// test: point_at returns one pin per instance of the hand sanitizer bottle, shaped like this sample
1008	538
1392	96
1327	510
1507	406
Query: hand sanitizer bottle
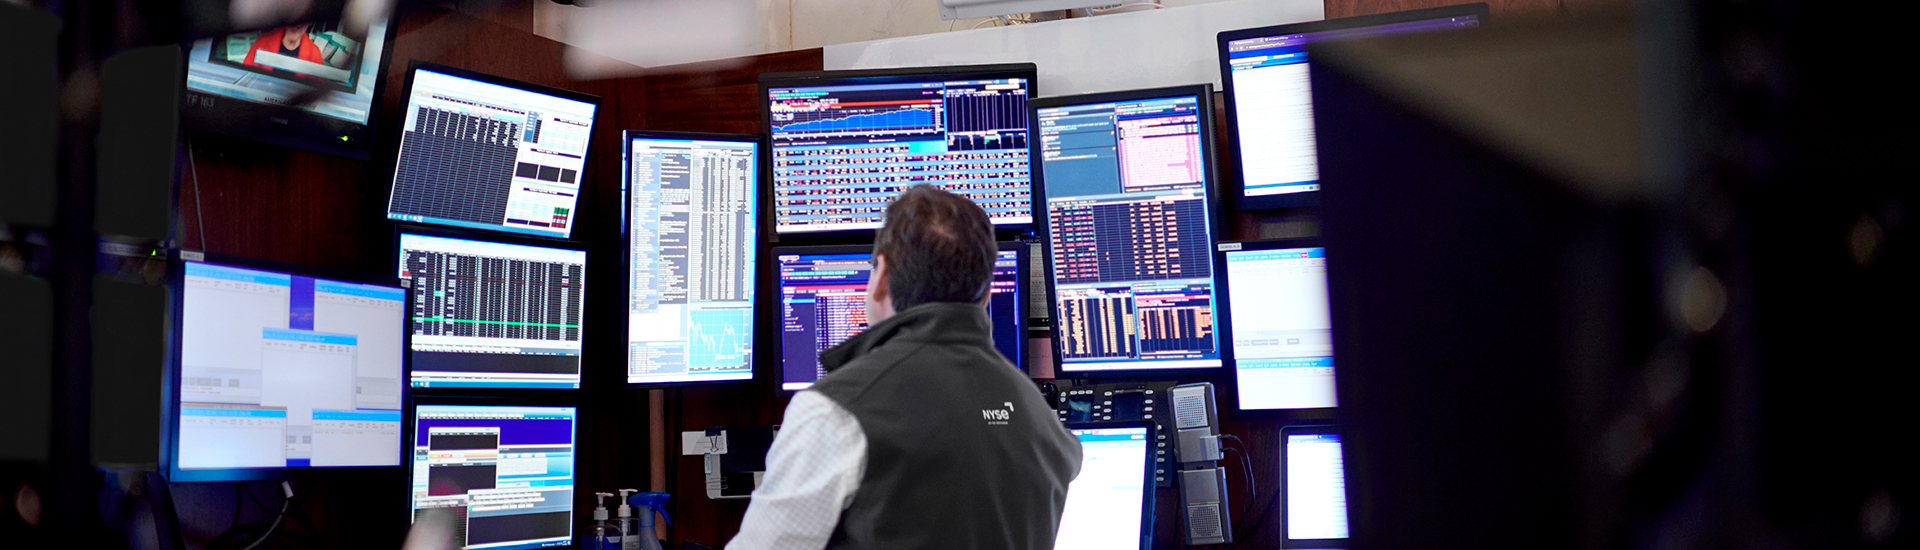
632	539
606	535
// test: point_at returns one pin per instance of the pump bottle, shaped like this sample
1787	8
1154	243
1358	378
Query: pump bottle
606	535
631	540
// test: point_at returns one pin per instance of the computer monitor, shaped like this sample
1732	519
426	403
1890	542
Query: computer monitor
692	238
485	152
246	84
846	142
1313	478
494	311
502	474
1270	100
1126	180
1279	323
279	366
823	302
1110	504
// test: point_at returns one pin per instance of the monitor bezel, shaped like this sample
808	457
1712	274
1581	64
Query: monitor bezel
1146	483
763	162
389	162
1021	276
235	125
1215	227
412	419
1310	429
401	229
1225	284
769	81
171	400
1305	198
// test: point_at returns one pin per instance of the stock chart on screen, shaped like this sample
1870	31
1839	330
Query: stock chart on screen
842	149
1126	185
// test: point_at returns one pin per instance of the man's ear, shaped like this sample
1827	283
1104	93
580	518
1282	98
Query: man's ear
878	288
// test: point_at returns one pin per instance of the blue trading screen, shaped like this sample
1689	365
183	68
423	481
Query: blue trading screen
1130	239
691	234
823	302
840	153
503	475
1273	103
280	370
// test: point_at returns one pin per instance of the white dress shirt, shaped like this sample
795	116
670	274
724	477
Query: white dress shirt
813	469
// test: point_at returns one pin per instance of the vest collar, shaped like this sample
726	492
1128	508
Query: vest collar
942	321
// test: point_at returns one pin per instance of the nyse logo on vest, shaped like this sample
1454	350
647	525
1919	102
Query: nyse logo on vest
998	417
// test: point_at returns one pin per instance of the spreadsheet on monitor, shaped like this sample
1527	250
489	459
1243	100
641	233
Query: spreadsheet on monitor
1130	234
1273	103
841	152
1316	505
280	370
692	229
491	314
1104	502
1282	328
482	155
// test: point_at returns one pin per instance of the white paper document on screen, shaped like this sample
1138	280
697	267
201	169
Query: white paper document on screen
1122	51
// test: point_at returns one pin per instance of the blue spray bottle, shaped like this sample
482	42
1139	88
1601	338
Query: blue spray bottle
642	536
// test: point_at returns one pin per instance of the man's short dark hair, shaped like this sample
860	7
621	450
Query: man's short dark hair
939	248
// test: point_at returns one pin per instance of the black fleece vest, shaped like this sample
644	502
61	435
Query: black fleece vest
962	451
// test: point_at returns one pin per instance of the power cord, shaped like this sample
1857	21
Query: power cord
284	488
1246	465
200	221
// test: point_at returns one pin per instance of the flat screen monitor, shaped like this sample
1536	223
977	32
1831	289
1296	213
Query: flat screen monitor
823	293
1110	504
1280	324
250	85
1314	481
692	239
500	475
282	366
484	152
494	311
1270	100
846	142
1127	182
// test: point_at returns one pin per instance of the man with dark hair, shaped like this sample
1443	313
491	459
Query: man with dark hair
921	435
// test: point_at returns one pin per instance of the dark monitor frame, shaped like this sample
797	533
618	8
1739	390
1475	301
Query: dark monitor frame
769	81
1146	482
763	227
1215	227
319	133
1306	429
492	237
1307	198
411	418
388	162
1020	273
170	401
1225	287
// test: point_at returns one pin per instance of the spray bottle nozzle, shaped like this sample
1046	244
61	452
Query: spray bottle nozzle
655	501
